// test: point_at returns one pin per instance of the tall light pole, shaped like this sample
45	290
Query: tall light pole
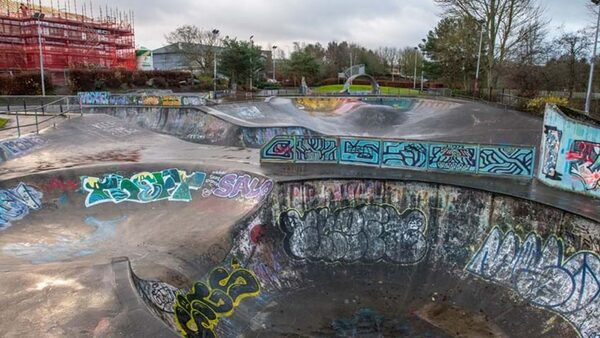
39	16
251	61
273	60
588	97
481	23
215	33
415	74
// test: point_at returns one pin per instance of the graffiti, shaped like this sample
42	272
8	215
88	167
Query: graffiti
279	149
248	112
146	187
192	101
22	146
60	185
64	248
114	128
506	161
364	234
171	101
94	98
404	155
316	149
16	203
244	186
551	151
159	294
359	151
198	312
261	136
454	157
584	158
151	100
119	100
541	275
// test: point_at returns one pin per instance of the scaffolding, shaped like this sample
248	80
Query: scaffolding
69	39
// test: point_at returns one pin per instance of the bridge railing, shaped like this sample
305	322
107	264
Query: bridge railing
479	159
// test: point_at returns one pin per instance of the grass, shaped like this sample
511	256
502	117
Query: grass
3	122
365	88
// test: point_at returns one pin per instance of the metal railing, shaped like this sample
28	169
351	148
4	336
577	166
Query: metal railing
42	109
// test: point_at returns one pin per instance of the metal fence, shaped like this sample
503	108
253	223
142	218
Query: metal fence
43	109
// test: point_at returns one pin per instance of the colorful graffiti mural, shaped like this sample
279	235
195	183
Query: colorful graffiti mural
570	153
146	187
469	158
16	203
316	149
396	154
119	100
60	185
359	151
368	233
151	100
192	101
280	149
21	146
506	161
171	101
94	98
198	312
453	157
542	275
244	186
584	163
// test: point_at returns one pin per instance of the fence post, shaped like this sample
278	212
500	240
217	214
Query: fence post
37	127
43	108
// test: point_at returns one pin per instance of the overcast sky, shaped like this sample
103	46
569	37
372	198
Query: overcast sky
281	22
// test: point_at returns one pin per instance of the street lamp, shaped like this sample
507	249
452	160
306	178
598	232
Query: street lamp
481	23
251	62
588	98
40	16
415	75
215	33
273	60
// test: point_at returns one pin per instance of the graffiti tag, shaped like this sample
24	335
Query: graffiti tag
146	187
198	312
244	186
541	275
367	234
16	203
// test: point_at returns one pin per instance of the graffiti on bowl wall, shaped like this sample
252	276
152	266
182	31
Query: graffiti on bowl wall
16	203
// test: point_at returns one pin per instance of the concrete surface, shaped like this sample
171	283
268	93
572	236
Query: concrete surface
335	252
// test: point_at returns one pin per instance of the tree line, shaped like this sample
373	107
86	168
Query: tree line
508	39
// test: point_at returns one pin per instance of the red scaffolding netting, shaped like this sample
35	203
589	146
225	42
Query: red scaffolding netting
69	40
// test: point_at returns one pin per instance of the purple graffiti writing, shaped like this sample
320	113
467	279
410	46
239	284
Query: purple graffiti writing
245	186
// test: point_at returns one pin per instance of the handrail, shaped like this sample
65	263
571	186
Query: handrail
28	111
484	159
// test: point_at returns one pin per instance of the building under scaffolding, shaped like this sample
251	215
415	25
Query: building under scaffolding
71	36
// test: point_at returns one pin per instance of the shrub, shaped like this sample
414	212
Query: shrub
538	104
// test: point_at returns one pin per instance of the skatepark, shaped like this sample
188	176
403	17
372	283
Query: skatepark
301	217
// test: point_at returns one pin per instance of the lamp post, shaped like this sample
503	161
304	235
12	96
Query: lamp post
415	74
273	60
588	97
40	16
481	23
251	62
215	33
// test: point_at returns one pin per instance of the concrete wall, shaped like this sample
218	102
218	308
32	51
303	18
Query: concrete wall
570	154
499	160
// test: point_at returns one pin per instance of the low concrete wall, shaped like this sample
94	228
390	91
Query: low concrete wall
570	153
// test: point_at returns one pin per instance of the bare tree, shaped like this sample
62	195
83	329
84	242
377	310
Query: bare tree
198	46
572	49
389	56
505	22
